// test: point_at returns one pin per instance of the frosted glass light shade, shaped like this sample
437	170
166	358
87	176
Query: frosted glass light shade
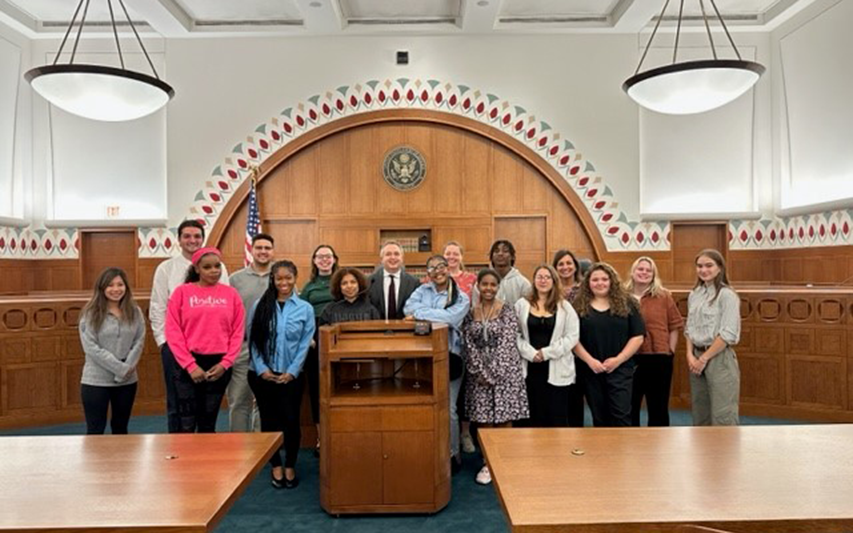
99	92
692	86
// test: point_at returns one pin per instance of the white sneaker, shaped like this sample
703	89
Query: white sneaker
484	477
468	444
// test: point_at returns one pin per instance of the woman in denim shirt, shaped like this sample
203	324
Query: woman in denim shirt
280	329
441	300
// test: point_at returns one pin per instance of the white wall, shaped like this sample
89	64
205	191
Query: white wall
15	128
225	88
715	164
814	108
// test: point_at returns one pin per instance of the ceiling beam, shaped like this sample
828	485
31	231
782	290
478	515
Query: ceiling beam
631	16
321	18
477	18
783	11
165	17
18	20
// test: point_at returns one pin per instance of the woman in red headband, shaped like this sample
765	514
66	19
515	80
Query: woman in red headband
204	329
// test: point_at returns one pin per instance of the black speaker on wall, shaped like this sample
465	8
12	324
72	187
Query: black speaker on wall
402	57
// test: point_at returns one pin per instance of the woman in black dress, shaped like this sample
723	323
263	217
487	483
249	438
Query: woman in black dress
612	331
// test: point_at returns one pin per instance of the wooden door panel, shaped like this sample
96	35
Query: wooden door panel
103	249
408	467
688	240
356	468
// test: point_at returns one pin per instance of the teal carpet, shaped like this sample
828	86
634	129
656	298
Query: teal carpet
473	508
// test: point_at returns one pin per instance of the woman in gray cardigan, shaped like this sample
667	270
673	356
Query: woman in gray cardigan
112	332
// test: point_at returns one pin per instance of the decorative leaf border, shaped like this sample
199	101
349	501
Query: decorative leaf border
618	231
828	228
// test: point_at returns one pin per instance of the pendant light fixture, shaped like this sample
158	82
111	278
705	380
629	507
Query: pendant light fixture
100	92
692	86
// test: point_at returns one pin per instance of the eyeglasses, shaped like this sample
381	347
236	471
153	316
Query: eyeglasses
324	256
543	278
440	267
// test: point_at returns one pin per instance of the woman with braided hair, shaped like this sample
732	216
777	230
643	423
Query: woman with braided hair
281	328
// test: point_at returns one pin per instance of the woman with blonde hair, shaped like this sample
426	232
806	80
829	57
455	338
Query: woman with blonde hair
453	254
465	280
548	330
653	377
713	327
611	332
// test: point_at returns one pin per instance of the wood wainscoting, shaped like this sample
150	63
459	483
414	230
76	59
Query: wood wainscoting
41	361
795	355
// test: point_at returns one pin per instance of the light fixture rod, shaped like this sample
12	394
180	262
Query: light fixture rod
115	32
708	28
139	39
652	38
79	31
68	31
723	23
677	32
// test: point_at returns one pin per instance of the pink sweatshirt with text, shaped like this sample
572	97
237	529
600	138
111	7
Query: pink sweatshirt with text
204	320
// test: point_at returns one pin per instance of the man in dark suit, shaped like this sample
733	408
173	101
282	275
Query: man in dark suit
390	286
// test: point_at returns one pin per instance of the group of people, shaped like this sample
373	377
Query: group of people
520	353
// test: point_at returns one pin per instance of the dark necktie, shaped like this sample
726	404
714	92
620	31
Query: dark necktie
392	299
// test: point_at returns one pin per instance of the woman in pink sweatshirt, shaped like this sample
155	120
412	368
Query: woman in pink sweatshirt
204	329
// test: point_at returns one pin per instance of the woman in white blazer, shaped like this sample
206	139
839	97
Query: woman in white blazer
548	331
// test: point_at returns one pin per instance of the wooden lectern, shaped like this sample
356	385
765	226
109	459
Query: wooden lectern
384	420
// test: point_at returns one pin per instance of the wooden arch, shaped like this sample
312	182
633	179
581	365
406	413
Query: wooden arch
413	115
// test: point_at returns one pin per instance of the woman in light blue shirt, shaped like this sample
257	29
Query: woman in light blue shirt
280	328
441	300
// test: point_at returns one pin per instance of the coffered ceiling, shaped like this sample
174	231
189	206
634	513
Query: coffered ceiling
232	18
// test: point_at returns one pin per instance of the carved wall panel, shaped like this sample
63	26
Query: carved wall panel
799	370
794	354
799	309
817	382
762	378
15	319
41	360
800	341
766	341
830	311
769	309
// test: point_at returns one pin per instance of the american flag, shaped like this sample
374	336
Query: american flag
253	221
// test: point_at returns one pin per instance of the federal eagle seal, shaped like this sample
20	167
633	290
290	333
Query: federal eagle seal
404	168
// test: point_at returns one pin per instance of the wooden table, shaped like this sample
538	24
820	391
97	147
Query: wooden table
175	483
755	478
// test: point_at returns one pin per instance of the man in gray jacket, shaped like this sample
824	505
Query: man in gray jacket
514	286
251	282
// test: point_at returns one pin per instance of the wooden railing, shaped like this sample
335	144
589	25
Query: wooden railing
795	356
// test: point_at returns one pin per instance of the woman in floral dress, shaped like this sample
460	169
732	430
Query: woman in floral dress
495	391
